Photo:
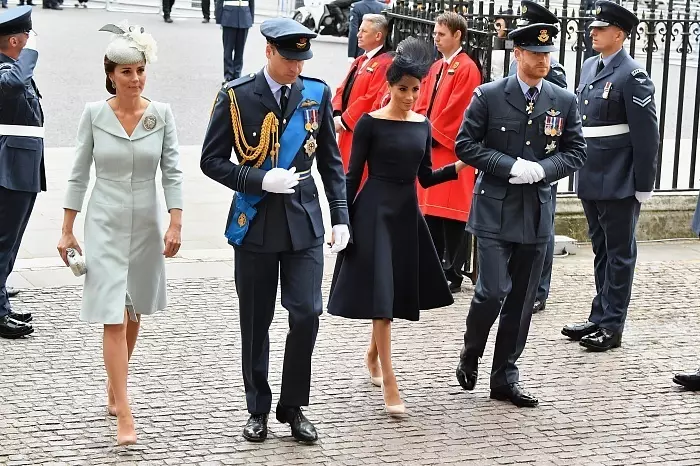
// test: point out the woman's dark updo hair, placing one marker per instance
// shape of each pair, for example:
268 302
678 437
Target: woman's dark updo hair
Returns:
109 68
413 57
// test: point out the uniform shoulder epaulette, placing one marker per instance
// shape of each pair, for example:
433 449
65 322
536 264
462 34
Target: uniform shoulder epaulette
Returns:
242 80
5 66
478 91
313 79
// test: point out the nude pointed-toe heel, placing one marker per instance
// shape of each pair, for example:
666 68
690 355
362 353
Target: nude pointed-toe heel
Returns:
395 410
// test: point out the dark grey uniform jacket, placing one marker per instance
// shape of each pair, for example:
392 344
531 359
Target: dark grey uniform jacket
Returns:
619 165
495 132
234 14
284 221
21 157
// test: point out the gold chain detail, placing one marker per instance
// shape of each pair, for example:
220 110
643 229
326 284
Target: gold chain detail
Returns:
269 136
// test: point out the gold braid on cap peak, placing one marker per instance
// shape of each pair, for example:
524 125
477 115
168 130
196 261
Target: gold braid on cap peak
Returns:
269 136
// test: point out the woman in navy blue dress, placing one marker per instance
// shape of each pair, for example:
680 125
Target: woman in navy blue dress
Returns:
391 270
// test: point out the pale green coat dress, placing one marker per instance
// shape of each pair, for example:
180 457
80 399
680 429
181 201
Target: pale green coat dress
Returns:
123 232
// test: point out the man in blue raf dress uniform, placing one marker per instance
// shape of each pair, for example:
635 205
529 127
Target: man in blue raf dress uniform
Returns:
522 133
616 100
531 12
22 173
235 18
277 123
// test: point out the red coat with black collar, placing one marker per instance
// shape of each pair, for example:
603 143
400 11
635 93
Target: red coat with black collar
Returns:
356 95
449 102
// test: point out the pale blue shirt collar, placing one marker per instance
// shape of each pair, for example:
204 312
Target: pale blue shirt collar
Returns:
274 85
526 87
609 58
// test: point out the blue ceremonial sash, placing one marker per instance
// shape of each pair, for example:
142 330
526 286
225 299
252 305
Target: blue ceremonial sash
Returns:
294 135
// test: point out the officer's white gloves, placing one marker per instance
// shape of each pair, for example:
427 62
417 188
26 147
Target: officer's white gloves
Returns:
31 42
642 196
525 171
280 181
340 238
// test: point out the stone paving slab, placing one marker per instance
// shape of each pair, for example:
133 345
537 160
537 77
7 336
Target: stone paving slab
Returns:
614 408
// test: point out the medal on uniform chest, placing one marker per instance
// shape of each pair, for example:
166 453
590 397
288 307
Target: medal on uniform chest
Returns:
606 91
553 126
310 125
370 68
452 69
551 147
530 107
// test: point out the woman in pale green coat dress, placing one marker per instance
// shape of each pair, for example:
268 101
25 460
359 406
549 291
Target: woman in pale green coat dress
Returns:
127 137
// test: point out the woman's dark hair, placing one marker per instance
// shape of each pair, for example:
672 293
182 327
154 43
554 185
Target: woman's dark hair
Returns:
109 68
413 57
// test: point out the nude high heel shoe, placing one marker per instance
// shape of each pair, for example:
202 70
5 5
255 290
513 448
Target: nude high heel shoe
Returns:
393 410
128 437
376 381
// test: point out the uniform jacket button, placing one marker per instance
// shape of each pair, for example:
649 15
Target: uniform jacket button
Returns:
590 86
503 128
482 191
527 143
585 117
585 102
529 122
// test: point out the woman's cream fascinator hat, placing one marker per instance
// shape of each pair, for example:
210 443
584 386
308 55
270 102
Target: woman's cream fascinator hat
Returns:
130 44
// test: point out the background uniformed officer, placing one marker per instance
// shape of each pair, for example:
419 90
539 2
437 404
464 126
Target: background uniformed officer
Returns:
357 11
616 101
22 173
236 18
285 237
521 133
531 12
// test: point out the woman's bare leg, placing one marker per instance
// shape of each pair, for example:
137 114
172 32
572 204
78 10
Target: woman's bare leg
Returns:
372 358
132 333
382 337
116 358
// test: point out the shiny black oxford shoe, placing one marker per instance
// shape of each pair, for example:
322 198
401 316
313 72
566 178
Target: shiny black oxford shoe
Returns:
691 381
24 317
602 340
302 429
516 395
255 429
579 330
11 328
539 306
467 371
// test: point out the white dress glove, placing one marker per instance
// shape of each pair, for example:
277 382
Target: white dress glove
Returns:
525 171
341 237
280 181
31 42
643 196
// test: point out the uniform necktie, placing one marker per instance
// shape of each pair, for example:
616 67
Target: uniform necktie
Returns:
361 63
438 78
600 67
283 99
531 96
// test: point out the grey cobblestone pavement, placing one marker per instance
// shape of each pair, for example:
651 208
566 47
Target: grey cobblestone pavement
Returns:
187 395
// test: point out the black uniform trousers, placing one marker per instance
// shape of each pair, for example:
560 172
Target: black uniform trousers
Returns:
167 7
256 275
206 9
448 237
234 43
15 209
506 285
611 227
546 277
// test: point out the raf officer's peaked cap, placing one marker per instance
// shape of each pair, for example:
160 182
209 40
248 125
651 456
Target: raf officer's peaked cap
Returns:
611 14
532 12
291 39
538 37
16 20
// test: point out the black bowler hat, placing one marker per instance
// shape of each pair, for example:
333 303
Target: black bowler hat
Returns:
611 14
532 12
16 20
538 37
291 39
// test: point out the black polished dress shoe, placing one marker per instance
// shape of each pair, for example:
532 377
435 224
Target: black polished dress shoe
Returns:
11 291
11 328
579 330
255 429
302 429
516 395
539 305
205 20
468 371
691 381
168 19
455 287
24 317
602 340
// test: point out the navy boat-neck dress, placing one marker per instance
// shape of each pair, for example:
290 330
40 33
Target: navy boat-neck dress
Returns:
390 270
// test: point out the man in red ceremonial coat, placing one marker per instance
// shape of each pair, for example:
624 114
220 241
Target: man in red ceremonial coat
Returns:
445 95
366 79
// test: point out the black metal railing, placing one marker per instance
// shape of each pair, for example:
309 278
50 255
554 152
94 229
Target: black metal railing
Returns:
666 43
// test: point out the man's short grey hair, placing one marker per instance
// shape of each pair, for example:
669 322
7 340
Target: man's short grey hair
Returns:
378 22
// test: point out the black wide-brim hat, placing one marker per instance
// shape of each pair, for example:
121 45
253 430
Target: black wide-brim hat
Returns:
291 39
611 14
538 37
532 12
16 20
